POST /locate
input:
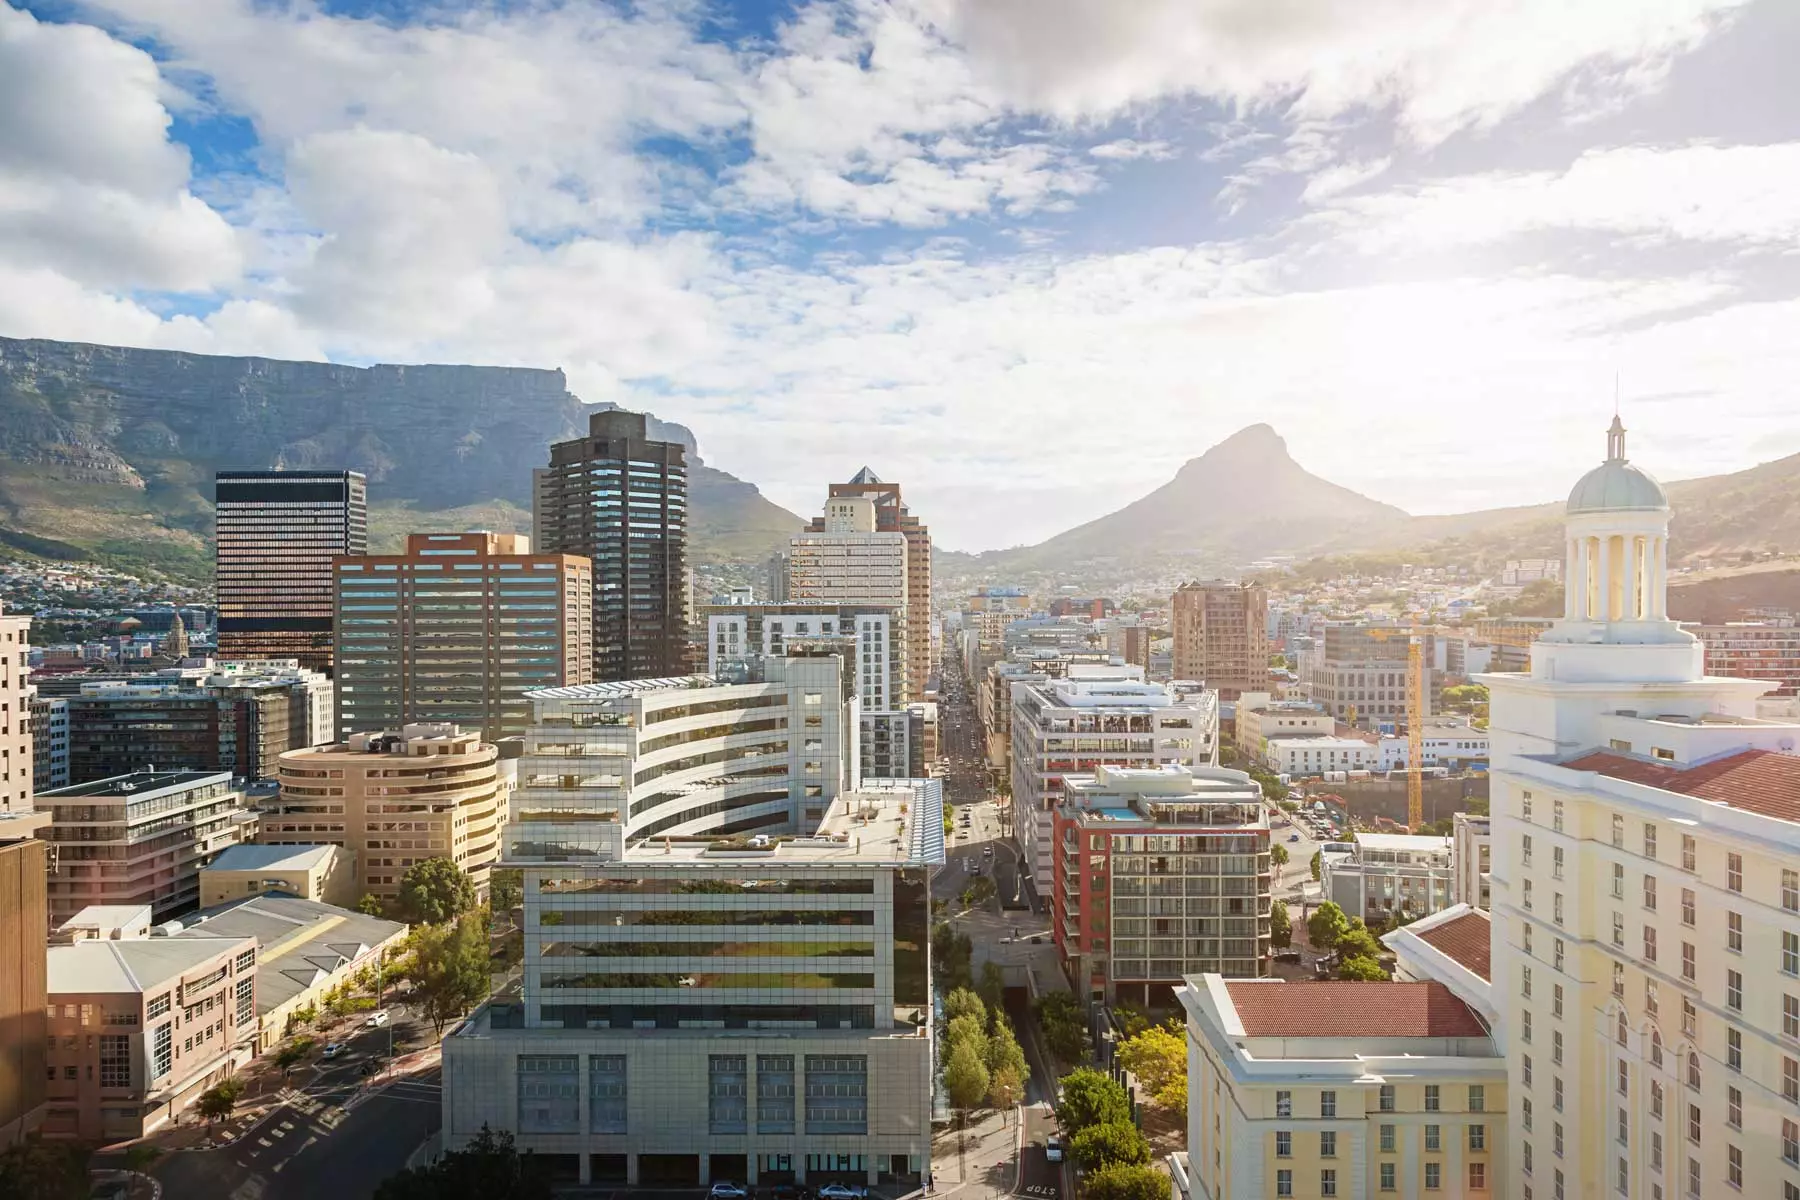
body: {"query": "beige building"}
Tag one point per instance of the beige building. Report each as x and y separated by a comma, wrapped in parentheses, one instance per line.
(1321, 1089)
(1261, 717)
(24, 917)
(394, 799)
(15, 715)
(1222, 636)
(459, 628)
(325, 873)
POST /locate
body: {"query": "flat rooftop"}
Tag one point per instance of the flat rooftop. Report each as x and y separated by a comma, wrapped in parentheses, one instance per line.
(137, 782)
(298, 941)
(890, 823)
(1403, 842)
(621, 688)
(253, 856)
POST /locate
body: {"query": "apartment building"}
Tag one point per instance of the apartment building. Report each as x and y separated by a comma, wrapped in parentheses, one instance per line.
(49, 742)
(16, 747)
(1096, 716)
(1768, 650)
(1328, 1088)
(428, 790)
(1160, 874)
(140, 838)
(857, 568)
(1360, 677)
(1222, 636)
(1311, 755)
(24, 918)
(138, 1029)
(1259, 717)
(678, 757)
(459, 628)
(1646, 886)
(277, 533)
(1448, 742)
(1390, 874)
(619, 498)
(712, 1006)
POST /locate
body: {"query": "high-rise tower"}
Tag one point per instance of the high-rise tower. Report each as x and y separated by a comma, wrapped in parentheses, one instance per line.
(277, 533)
(620, 499)
(891, 516)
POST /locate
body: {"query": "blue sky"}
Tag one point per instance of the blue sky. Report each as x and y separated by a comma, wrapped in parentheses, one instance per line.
(1024, 256)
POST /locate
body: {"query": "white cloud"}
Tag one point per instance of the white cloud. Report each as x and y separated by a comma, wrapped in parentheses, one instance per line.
(1343, 177)
(1129, 148)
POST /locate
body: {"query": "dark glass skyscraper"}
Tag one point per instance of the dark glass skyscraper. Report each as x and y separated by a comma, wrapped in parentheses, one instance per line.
(620, 499)
(277, 533)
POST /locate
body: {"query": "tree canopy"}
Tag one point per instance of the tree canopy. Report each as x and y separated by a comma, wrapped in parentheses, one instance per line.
(448, 967)
(1155, 1056)
(490, 1167)
(1115, 1142)
(1281, 926)
(1120, 1181)
(965, 1077)
(44, 1170)
(1326, 925)
(1064, 1027)
(1090, 1097)
(435, 891)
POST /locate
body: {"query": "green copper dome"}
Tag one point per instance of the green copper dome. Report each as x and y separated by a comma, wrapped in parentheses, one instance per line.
(1615, 485)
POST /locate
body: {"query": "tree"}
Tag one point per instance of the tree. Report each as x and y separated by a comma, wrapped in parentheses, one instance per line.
(1003, 1052)
(1064, 1026)
(951, 953)
(1326, 925)
(980, 891)
(1155, 1056)
(1120, 1181)
(964, 1003)
(1173, 1097)
(217, 1102)
(967, 1030)
(1006, 1087)
(1358, 942)
(449, 968)
(1115, 1142)
(1281, 927)
(290, 1055)
(506, 889)
(44, 1170)
(435, 891)
(490, 1167)
(1090, 1097)
(992, 989)
(1363, 969)
(965, 1079)
(1317, 861)
(1278, 854)
(370, 905)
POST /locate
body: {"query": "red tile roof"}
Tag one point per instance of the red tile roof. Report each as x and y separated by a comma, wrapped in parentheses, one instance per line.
(1347, 1009)
(1465, 939)
(1758, 781)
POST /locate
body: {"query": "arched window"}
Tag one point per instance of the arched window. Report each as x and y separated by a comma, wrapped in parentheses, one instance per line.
(1693, 1070)
(1623, 1032)
(1655, 1049)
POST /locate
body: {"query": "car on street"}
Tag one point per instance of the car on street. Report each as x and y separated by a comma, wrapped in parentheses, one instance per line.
(332, 1050)
(377, 1019)
(1053, 1149)
(842, 1191)
(1293, 837)
(726, 1191)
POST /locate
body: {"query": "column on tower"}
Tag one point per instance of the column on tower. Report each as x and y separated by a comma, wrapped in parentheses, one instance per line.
(1585, 580)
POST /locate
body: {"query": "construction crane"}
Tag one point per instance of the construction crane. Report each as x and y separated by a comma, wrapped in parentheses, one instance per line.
(1415, 719)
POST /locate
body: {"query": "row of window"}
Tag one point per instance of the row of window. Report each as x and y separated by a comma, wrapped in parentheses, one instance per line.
(1386, 1099)
(1434, 1179)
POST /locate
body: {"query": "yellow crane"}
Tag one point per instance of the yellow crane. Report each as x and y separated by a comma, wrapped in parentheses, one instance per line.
(1415, 718)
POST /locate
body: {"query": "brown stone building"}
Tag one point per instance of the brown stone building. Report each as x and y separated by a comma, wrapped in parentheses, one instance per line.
(23, 922)
(1222, 636)
(891, 516)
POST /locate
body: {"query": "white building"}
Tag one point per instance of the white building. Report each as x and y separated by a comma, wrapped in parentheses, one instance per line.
(1311, 754)
(1471, 851)
(1097, 715)
(1646, 887)
(50, 742)
(1454, 745)
(1389, 873)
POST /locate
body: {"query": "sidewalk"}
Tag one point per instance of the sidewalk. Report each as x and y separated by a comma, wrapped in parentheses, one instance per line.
(986, 1166)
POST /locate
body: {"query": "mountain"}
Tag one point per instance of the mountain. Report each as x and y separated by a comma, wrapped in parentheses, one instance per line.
(108, 452)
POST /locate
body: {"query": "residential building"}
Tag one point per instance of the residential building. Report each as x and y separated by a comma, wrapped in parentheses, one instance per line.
(458, 629)
(1260, 717)
(1310, 755)
(137, 1029)
(864, 570)
(324, 873)
(1329, 1088)
(305, 950)
(1453, 947)
(1222, 636)
(1646, 831)
(1471, 856)
(140, 838)
(1768, 649)
(757, 752)
(891, 516)
(428, 790)
(235, 717)
(24, 918)
(1096, 716)
(1521, 571)
(277, 533)
(1160, 873)
(776, 1026)
(994, 694)
(16, 746)
(1361, 673)
(49, 742)
(620, 499)
(1390, 875)
(1448, 742)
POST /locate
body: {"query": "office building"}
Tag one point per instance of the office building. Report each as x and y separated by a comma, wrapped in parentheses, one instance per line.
(1509, 640)
(49, 742)
(1096, 716)
(874, 634)
(1646, 885)
(392, 799)
(1222, 636)
(703, 1008)
(1259, 717)
(140, 838)
(1768, 649)
(325, 873)
(1361, 674)
(1160, 873)
(24, 919)
(1316, 755)
(277, 533)
(1471, 856)
(138, 1028)
(1389, 875)
(620, 500)
(891, 516)
(1328, 1088)
(16, 743)
(1445, 744)
(458, 629)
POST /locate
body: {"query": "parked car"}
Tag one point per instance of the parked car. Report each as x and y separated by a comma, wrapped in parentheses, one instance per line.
(843, 1191)
(377, 1019)
(332, 1050)
(726, 1191)
(1053, 1149)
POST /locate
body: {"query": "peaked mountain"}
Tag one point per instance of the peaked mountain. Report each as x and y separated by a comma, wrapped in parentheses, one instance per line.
(1245, 498)
(108, 452)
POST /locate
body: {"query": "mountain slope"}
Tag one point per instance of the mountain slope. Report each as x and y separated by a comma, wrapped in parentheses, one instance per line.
(111, 451)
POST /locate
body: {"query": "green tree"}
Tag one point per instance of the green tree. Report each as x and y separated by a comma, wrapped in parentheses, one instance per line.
(1064, 1026)
(1120, 1181)
(981, 890)
(965, 1078)
(371, 906)
(951, 953)
(449, 968)
(44, 1170)
(992, 989)
(1362, 969)
(964, 1003)
(1115, 1142)
(1281, 927)
(435, 891)
(289, 1056)
(1278, 854)
(1006, 1087)
(1090, 1097)
(490, 1167)
(217, 1102)
(1003, 1051)
(1326, 925)
(1155, 1056)
(1173, 1097)
(1317, 862)
(506, 889)
(967, 1030)
(1358, 942)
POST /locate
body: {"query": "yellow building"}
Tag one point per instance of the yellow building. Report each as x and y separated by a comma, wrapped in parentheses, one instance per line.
(428, 791)
(1320, 1089)
(325, 873)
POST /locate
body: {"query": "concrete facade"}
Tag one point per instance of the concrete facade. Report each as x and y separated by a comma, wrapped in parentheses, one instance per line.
(325, 873)
(1221, 636)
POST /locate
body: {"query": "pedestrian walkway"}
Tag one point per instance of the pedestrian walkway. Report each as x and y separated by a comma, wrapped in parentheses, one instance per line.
(985, 1165)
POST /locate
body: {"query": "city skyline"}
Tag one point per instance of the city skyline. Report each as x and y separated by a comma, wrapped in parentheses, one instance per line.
(943, 215)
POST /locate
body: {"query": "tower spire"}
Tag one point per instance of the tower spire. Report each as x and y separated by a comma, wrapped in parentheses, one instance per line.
(1615, 440)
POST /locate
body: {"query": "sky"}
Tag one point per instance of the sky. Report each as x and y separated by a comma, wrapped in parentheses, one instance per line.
(1024, 257)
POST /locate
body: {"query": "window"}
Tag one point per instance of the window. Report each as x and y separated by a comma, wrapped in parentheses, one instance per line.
(1624, 1073)
(1525, 1112)
(115, 1060)
(1477, 1097)
(1284, 1104)
(1618, 830)
(1618, 926)
(1656, 1151)
(1734, 1108)
(1689, 965)
(1623, 1178)
(1477, 1138)
(1525, 1026)
(162, 1048)
(1525, 934)
(1689, 1017)
(1328, 1182)
(1431, 1097)
(1650, 892)
(1557, 907)
(1328, 1104)
(1556, 1046)
(1734, 932)
(1556, 1000)
(1734, 872)
(1790, 1016)
(1433, 1138)
(1284, 1143)
(1525, 1069)
(1328, 1144)
(1687, 852)
(1387, 1139)
(1693, 1188)
(608, 1098)
(1687, 907)
(1556, 862)
(837, 1093)
(1734, 1166)
(1284, 1183)
(1650, 943)
(1734, 991)
(1433, 1174)
(1734, 1049)
(1650, 1005)
(154, 1008)
(1478, 1177)
(728, 1094)
(1556, 815)
(1526, 1160)
(1525, 849)
(1790, 952)
(1556, 1138)
(1790, 890)
(1618, 881)
(1790, 1142)
(1558, 1192)
(1557, 954)
(1528, 905)
(1556, 1093)
(1790, 1080)
(1387, 1177)
(1624, 1130)
(1693, 1070)
(1387, 1097)
(1618, 972)
(1694, 1124)
(1649, 840)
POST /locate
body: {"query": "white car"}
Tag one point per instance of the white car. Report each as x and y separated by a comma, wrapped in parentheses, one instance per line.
(332, 1050)
(842, 1191)
(1053, 1149)
(377, 1019)
(726, 1191)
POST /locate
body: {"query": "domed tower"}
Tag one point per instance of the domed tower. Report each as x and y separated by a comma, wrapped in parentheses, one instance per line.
(175, 645)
